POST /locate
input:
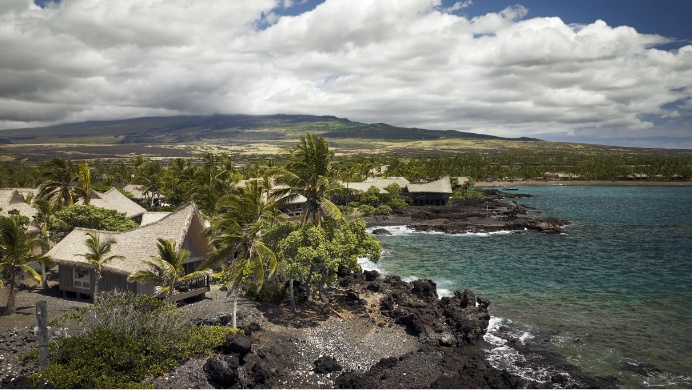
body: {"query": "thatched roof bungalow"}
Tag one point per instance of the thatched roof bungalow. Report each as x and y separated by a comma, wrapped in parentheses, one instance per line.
(291, 207)
(381, 183)
(12, 199)
(184, 226)
(435, 193)
(115, 200)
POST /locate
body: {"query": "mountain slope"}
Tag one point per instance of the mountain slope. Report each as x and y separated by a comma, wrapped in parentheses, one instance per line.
(224, 130)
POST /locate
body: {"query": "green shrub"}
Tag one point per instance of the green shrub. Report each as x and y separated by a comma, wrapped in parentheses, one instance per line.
(122, 340)
(366, 209)
(355, 205)
(92, 217)
(383, 210)
(398, 204)
(271, 292)
(221, 278)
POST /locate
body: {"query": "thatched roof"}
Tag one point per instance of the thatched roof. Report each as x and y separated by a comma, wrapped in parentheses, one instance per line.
(12, 199)
(137, 193)
(300, 199)
(442, 186)
(378, 182)
(135, 190)
(361, 186)
(115, 200)
(137, 244)
(462, 179)
(383, 182)
(153, 216)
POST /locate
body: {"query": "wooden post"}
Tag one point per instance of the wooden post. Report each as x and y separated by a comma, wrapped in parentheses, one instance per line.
(42, 318)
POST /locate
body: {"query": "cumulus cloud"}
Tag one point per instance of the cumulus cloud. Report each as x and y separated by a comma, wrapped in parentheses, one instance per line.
(404, 62)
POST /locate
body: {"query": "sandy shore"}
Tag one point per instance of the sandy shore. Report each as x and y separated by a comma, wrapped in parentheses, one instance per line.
(580, 183)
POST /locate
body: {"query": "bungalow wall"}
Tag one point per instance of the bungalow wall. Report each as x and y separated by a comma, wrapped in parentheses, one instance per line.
(293, 208)
(69, 281)
(429, 198)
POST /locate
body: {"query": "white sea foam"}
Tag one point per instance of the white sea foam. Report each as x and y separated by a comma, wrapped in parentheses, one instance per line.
(488, 234)
(403, 230)
(668, 380)
(445, 292)
(367, 265)
(525, 336)
(398, 230)
(504, 357)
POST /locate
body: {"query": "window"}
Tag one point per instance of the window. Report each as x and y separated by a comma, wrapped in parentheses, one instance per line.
(81, 277)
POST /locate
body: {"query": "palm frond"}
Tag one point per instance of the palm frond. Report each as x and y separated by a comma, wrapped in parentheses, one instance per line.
(30, 271)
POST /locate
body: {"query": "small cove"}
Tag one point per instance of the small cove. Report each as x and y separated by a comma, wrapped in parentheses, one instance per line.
(612, 295)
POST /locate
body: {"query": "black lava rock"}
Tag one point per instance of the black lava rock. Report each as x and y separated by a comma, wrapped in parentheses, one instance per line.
(326, 364)
(221, 371)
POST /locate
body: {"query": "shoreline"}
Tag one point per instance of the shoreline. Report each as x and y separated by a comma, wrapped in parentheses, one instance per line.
(505, 183)
(391, 332)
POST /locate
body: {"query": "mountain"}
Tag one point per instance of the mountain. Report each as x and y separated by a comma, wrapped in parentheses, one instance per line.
(225, 130)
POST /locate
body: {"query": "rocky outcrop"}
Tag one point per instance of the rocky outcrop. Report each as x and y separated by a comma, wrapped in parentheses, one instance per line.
(477, 216)
(450, 321)
(381, 232)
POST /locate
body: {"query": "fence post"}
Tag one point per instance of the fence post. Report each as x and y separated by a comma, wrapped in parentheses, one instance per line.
(42, 319)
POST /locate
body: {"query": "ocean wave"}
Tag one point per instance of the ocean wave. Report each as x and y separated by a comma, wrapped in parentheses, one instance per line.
(487, 234)
(403, 230)
(367, 265)
(503, 357)
(398, 230)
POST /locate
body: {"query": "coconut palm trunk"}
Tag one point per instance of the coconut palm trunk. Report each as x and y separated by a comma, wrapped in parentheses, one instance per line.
(44, 278)
(97, 277)
(10, 307)
(234, 311)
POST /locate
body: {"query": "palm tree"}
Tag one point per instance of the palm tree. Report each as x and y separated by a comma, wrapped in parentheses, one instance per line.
(308, 173)
(236, 235)
(56, 181)
(212, 182)
(150, 175)
(97, 255)
(84, 187)
(166, 269)
(16, 247)
(45, 219)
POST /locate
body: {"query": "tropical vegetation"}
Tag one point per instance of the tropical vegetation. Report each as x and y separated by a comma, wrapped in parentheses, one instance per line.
(167, 269)
(97, 255)
(16, 252)
(243, 197)
(121, 339)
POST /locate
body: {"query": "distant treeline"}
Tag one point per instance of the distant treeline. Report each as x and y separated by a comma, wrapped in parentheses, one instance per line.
(494, 165)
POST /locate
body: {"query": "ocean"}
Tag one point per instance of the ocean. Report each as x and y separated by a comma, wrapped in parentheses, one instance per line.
(611, 296)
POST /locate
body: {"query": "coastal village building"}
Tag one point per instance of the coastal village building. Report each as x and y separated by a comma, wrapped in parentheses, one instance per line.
(115, 200)
(143, 197)
(381, 183)
(184, 226)
(292, 207)
(460, 180)
(435, 193)
(13, 199)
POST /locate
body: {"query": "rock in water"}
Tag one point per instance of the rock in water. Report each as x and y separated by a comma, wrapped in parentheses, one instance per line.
(381, 232)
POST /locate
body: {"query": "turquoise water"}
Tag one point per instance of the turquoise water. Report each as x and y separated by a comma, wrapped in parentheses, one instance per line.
(613, 295)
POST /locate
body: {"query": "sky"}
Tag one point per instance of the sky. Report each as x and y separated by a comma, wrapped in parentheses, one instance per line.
(615, 72)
